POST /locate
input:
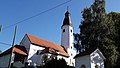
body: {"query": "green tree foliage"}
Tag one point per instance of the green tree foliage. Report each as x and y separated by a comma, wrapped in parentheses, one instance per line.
(77, 43)
(55, 63)
(116, 19)
(97, 30)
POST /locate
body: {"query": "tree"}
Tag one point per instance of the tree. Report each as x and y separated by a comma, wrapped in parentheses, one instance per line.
(97, 31)
(56, 63)
(77, 43)
(116, 19)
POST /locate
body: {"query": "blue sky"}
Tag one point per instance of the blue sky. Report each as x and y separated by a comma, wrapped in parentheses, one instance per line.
(47, 25)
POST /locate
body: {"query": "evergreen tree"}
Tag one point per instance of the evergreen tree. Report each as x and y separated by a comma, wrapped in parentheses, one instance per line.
(96, 31)
(116, 19)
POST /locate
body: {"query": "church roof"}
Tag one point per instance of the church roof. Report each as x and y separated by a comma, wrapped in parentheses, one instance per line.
(88, 52)
(43, 43)
(67, 19)
(16, 49)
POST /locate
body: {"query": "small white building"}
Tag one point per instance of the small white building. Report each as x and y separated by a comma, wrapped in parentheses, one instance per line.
(90, 59)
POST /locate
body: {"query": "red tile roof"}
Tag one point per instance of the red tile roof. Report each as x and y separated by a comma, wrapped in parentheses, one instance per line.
(43, 43)
(49, 50)
(20, 50)
(16, 49)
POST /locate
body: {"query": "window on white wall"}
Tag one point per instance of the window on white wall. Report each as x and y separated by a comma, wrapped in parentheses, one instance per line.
(38, 52)
(63, 30)
(83, 66)
(71, 30)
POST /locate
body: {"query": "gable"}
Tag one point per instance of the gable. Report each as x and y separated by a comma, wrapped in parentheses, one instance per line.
(97, 53)
(90, 52)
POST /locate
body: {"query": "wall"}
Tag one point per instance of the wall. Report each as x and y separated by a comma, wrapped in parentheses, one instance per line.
(67, 36)
(72, 53)
(18, 64)
(67, 42)
(26, 42)
(85, 60)
(4, 61)
(35, 59)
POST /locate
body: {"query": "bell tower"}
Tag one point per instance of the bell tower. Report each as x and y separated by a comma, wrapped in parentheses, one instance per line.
(67, 38)
(67, 31)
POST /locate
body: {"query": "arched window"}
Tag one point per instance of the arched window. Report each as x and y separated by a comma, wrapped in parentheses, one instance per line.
(63, 30)
(71, 30)
(83, 66)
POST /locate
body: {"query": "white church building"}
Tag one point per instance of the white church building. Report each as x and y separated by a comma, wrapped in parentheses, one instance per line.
(33, 51)
(90, 59)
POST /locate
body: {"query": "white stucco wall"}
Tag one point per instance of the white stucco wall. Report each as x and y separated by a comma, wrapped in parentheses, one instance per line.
(85, 60)
(96, 58)
(67, 36)
(67, 42)
(71, 60)
(36, 59)
(33, 58)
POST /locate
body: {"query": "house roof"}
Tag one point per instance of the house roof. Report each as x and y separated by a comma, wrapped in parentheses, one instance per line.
(88, 52)
(43, 43)
(16, 49)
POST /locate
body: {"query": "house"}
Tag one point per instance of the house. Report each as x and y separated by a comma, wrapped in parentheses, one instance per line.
(19, 54)
(33, 51)
(38, 50)
(90, 59)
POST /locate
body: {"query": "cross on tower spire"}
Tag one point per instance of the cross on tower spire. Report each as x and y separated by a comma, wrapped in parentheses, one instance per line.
(67, 8)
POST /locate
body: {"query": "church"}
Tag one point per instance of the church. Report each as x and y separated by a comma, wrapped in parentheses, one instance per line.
(33, 51)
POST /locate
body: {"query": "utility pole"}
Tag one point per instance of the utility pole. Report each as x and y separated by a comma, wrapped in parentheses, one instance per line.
(9, 65)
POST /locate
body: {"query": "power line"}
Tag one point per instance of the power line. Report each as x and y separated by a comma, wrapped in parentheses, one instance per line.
(5, 43)
(36, 15)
